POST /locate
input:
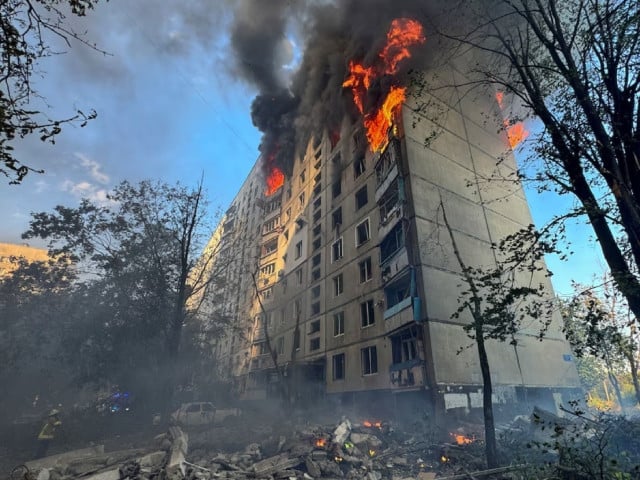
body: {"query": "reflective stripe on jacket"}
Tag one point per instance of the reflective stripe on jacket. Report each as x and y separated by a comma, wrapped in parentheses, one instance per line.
(48, 430)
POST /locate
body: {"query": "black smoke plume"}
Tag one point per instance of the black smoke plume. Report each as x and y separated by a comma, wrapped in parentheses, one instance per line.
(289, 109)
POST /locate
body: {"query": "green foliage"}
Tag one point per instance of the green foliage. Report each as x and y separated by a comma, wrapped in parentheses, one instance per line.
(24, 27)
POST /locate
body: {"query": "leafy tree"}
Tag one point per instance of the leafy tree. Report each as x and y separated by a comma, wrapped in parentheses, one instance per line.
(140, 252)
(574, 66)
(499, 303)
(26, 30)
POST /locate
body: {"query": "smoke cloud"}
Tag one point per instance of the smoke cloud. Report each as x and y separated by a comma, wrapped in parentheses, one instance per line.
(290, 108)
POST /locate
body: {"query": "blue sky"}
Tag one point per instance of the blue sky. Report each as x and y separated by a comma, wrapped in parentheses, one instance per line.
(170, 107)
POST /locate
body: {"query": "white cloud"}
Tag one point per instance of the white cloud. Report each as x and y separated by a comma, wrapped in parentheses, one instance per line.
(94, 168)
(87, 190)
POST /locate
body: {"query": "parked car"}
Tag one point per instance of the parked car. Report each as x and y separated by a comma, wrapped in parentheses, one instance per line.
(194, 414)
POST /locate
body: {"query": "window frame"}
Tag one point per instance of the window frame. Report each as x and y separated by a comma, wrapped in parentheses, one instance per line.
(369, 360)
(368, 230)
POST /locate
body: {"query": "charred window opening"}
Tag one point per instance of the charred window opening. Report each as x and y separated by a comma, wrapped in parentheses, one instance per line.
(338, 362)
(392, 243)
(359, 166)
(361, 198)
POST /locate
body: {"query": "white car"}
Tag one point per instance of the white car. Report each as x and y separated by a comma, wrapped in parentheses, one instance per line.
(194, 414)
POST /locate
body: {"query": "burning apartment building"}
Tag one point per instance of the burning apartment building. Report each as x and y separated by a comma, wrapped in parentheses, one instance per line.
(342, 278)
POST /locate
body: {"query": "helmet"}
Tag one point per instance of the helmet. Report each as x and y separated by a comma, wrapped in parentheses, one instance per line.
(54, 412)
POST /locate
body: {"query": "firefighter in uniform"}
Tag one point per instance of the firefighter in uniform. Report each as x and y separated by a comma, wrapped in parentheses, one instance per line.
(47, 433)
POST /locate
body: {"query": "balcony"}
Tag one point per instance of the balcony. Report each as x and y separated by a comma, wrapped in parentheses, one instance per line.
(407, 374)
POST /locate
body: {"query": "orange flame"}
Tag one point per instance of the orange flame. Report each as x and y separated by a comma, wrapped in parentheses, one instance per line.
(462, 439)
(275, 180)
(516, 133)
(370, 424)
(403, 33)
(321, 442)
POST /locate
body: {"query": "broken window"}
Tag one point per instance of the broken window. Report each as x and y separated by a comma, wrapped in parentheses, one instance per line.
(388, 203)
(358, 166)
(362, 232)
(338, 366)
(338, 285)
(336, 188)
(336, 250)
(338, 324)
(404, 346)
(361, 198)
(393, 242)
(367, 314)
(365, 270)
(398, 290)
(369, 356)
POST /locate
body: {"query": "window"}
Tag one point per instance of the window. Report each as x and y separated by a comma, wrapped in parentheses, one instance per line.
(316, 215)
(314, 344)
(280, 346)
(314, 327)
(317, 230)
(336, 218)
(393, 242)
(369, 357)
(317, 203)
(296, 339)
(315, 308)
(403, 346)
(296, 309)
(267, 293)
(316, 260)
(336, 250)
(301, 199)
(362, 232)
(317, 189)
(367, 314)
(338, 285)
(361, 198)
(315, 275)
(388, 203)
(315, 291)
(299, 276)
(303, 177)
(336, 188)
(398, 291)
(299, 249)
(270, 247)
(365, 270)
(358, 167)
(338, 324)
(338, 366)
(272, 206)
(268, 269)
(317, 243)
(271, 225)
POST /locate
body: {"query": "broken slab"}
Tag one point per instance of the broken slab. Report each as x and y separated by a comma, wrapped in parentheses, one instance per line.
(275, 464)
(66, 457)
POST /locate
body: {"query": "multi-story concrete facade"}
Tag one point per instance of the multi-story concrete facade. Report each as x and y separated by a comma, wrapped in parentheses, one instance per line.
(356, 274)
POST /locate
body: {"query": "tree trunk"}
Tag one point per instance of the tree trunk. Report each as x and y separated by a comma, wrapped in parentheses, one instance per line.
(487, 402)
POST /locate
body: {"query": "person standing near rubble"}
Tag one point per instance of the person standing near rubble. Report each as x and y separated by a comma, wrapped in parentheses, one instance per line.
(47, 433)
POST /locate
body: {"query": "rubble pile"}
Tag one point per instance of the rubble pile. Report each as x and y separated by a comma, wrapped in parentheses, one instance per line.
(367, 450)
